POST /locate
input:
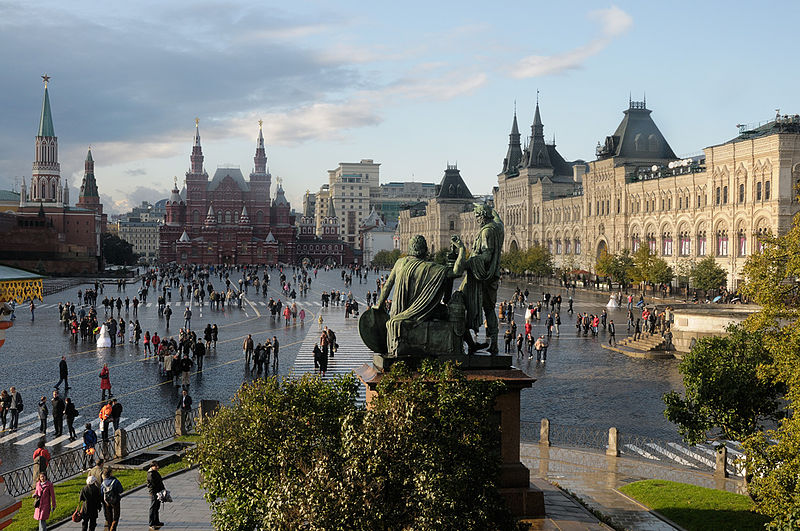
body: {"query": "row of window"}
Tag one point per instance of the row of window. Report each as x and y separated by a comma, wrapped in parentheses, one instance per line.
(565, 247)
(685, 244)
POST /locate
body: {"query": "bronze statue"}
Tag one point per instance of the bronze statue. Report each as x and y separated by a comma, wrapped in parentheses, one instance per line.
(483, 276)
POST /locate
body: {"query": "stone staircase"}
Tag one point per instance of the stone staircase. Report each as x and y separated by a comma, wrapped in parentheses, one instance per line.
(646, 343)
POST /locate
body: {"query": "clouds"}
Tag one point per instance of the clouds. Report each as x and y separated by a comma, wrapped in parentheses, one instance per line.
(613, 22)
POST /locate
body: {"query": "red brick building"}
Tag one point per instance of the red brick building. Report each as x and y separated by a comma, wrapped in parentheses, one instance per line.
(227, 220)
(327, 248)
(46, 234)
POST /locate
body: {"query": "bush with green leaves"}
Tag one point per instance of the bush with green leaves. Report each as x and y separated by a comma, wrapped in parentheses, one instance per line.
(299, 454)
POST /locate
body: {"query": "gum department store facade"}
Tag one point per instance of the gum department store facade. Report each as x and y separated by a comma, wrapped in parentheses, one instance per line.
(636, 192)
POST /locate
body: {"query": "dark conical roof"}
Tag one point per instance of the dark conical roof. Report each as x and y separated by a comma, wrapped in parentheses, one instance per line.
(537, 155)
(89, 184)
(637, 137)
(514, 154)
(453, 186)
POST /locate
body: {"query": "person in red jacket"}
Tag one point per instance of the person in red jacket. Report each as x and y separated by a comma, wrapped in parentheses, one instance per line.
(105, 382)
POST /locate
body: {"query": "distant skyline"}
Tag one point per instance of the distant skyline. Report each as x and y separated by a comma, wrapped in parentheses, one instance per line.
(411, 85)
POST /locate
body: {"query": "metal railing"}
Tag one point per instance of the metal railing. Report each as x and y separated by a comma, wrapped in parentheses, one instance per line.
(64, 466)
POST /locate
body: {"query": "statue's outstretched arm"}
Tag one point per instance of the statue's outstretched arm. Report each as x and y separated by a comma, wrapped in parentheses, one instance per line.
(387, 288)
(461, 260)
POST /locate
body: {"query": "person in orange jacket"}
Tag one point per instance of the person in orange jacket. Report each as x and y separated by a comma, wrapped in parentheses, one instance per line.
(105, 419)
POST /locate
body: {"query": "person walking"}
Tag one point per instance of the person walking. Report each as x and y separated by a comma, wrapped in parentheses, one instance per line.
(32, 307)
(15, 406)
(92, 503)
(155, 484)
(247, 348)
(58, 413)
(612, 331)
(105, 420)
(63, 374)
(42, 415)
(70, 412)
(111, 490)
(186, 370)
(187, 318)
(116, 414)
(167, 314)
(275, 348)
(45, 496)
(105, 382)
(5, 402)
(199, 353)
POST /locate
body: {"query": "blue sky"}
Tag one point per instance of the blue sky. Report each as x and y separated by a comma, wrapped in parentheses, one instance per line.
(412, 85)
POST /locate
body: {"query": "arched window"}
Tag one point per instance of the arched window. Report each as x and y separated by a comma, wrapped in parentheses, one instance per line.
(652, 143)
(635, 242)
(228, 216)
(722, 243)
(195, 216)
(260, 216)
(651, 243)
(219, 217)
(724, 195)
(741, 193)
(766, 191)
(666, 244)
(719, 190)
(758, 191)
(741, 243)
(685, 244)
(701, 243)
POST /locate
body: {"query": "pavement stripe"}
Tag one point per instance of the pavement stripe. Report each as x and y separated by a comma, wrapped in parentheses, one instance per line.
(641, 452)
(671, 455)
(137, 423)
(693, 455)
(15, 434)
(29, 439)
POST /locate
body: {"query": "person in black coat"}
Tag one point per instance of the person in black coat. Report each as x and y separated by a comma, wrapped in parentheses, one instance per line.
(185, 401)
(155, 484)
(58, 413)
(70, 412)
(92, 502)
(43, 415)
(63, 373)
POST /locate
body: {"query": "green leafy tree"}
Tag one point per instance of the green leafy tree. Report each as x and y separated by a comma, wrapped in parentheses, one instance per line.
(771, 281)
(386, 258)
(724, 396)
(298, 454)
(619, 267)
(440, 256)
(538, 261)
(649, 268)
(660, 272)
(117, 251)
(707, 275)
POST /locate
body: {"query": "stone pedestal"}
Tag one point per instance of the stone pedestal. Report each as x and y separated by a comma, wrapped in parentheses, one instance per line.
(121, 443)
(180, 423)
(523, 499)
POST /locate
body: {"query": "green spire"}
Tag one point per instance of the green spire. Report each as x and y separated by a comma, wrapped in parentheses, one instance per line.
(46, 120)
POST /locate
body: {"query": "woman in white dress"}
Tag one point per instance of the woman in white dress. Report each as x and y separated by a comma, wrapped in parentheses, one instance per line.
(131, 331)
(103, 338)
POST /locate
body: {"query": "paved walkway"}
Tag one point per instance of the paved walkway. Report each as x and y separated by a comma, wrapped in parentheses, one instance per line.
(593, 477)
(189, 510)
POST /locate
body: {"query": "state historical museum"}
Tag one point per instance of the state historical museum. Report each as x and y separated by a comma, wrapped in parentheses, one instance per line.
(227, 220)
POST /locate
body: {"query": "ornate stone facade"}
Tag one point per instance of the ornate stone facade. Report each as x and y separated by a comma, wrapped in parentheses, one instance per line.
(637, 192)
(227, 219)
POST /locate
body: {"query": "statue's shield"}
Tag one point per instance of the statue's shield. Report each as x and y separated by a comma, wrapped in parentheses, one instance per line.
(372, 329)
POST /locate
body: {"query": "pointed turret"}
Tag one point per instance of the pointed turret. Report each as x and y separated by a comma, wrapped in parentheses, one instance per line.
(66, 192)
(244, 219)
(197, 151)
(538, 156)
(46, 118)
(46, 176)
(331, 210)
(211, 218)
(184, 238)
(280, 197)
(260, 159)
(175, 196)
(23, 193)
(514, 154)
(89, 184)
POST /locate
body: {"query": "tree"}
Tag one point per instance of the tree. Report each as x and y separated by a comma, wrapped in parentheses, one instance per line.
(648, 267)
(299, 454)
(538, 261)
(117, 251)
(617, 266)
(440, 256)
(771, 281)
(707, 275)
(386, 258)
(724, 397)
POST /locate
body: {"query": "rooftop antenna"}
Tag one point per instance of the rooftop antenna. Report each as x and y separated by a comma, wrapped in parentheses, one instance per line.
(645, 99)
(537, 96)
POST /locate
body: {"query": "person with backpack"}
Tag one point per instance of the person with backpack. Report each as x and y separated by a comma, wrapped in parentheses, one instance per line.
(112, 490)
(155, 484)
(89, 442)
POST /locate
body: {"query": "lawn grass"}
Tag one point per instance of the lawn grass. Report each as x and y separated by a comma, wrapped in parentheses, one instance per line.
(68, 494)
(697, 508)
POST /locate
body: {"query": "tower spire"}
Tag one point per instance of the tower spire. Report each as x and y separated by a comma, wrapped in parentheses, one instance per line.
(260, 159)
(46, 118)
(514, 154)
(538, 156)
(196, 158)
